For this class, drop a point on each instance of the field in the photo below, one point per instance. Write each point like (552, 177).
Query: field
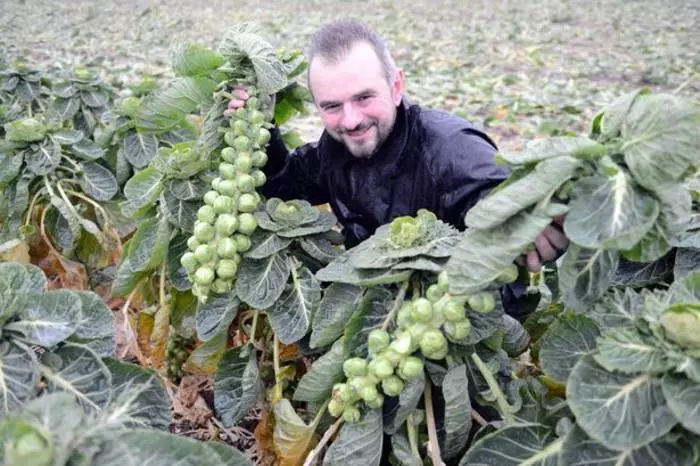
(519, 69)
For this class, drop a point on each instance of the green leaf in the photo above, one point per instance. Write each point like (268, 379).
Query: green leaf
(87, 150)
(183, 313)
(531, 444)
(244, 42)
(621, 411)
(397, 414)
(687, 260)
(181, 214)
(265, 244)
(149, 245)
(10, 165)
(609, 212)
(140, 149)
(205, 358)
(579, 449)
(369, 314)
(620, 307)
(628, 351)
(335, 309)
(538, 150)
(166, 108)
(261, 282)
(615, 114)
(292, 437)
(637, 275)
(317, 384)
(537, 185)
(683, 398)
(401, 448)
(584, 275)
(570, 338)
(94, 98)
(188, 189)
(47, 318)
(140, 396)
(194, 60)
(342, 271)
(127, 279)
(77, 370)
(67, 137)
(142, 191)
(96, 327)
(215, 316)
(325, 222)
(290, 315)
(483, 325)
(19, 278)
(319, 248)
(67, 108)
(660, 138)
(359, 443)
(43, 158)
(482, 255)
(19, 373)
(426, 264)
(98, 182)
(458, 419)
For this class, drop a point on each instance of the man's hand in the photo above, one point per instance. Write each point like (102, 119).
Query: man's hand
(549, 245)
(240, 95)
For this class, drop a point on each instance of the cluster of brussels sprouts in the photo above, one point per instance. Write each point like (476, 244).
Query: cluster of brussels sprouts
(177, 354)
(225, 221)
(424, 325)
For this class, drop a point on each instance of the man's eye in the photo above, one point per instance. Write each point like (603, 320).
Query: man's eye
(331, 108)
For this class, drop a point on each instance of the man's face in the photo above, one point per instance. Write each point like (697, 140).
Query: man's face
(356, 103)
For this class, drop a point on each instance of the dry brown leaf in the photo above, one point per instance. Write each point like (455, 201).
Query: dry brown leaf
(264, 442)
(15, 251)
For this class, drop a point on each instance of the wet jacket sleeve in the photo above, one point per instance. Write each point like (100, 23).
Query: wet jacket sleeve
(295, 175)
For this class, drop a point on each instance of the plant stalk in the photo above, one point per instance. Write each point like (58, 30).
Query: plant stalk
(397, 304)
(412, 430)
(495, 389)
(433, 444)
(254, 325)
(276, 358)
(330, 432)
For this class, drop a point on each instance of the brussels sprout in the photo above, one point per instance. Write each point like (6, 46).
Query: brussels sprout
(210, 197)
(226, 248)
(228, 154)
(31, 447)
(241, 143)
(422, 310)
(458, 330)
(259, 158)
(221, 285)
(482, 302)
(377, 402)
(244, 163)
(215, 183)
(410, 368)
(377, 340)
(240, 127)
(682, 324)
(392, 385)
(351, 414)
(402, 344)
(433, 344)
(434, 293)
(189, 262)
(380, 367)
(354, 367)
(403, 317)
(243, 242)
(226, 224)
(204, 276)
(227, 170)
(224, 204)
(259, 178)
(192, 243)
(230, 137)
(130, 106)
(25, 130)
(247, 202)
(228, 188)
(204, 253)
(206, 214)
(253, 102)
(245, 182)
(335, 408)
(368, 392)
(203, 232)
(256, 117)
(226, 268)
(247, 223)
(263, 137)
(454, 311)
(391, 355)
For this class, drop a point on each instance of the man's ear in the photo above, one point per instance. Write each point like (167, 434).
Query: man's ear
(397, 87)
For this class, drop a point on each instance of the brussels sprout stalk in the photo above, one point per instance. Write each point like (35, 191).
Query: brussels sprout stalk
(397, 304)
(503, 405)
(433, 445)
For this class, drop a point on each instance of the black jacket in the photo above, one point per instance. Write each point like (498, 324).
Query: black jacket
(432, 160)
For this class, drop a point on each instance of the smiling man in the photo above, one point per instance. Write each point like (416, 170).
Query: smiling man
(380, 155)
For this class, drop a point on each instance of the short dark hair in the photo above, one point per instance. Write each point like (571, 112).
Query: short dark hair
(334, 40)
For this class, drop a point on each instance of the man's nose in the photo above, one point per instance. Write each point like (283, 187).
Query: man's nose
(351, 116)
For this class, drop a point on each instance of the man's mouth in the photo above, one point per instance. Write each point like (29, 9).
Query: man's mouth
(359, 132)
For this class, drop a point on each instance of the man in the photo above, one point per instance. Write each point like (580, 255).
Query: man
(381, 156)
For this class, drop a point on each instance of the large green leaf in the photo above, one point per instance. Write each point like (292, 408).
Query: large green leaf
(523, 444)
(142, 191)
(140, 398)
(48, 318)
(86, 149)
(620, 307)
(96, 327)
(660, 138)
(319, 248)
(401, 449)
(205, 358)
(10, 165)
(538, 150)
(584, 275)
(369, 314)
(317, 384)
(359, 443)
(570, 338)
(16, 278)
(77, 370)
(290, 316)
(166, 108)
(335, 309)
(177, 273)
(98, 182)
(43, 158)
(244, 42)
(265, 244)
(621, 411)
(628, 351)
(214, 316)
(149, 245)
(342, 271)
(615, 114)
(194, 60)
(683, 398)
(261, 282)
(127, 279)
(687, 260)
(67, 137)
(237, 385)
(537, 185)
(66, 108)
(609, 212)
(139, 148)
(188, 189)
(458, 419)
(181, 214)
(482, 255)
(19, 376)
(325, 222)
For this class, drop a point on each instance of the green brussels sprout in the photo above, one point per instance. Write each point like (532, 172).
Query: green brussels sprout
(189, 262)
(402, 345)
(221, 285)
(259, 158)
(31, 448)
(192, 243)
(433, 344)
(203, 232)
(368, 393)
(482, 302)
(226, 268)
(458, 330)
(206, 214)
(263, 137)
(210, 196)
(226, 248)
(443, 282)
(681, 323)
(204, 253)
(377, 340)
(204, 276)
(243, 242)
(351, 414)
(404, 232)
(434, 293)
(244, 163)
(392, 385)
(228, 154)
(403, 317)
(241, 143)
(247, 223)
(335, 408)
(410, 368)
(247, 202)
(256, 117)
(454, 311)
(240, 127)
(25, 130)
(224, 204)
(354, 367)
(130, 106)
(226, 224)
(380, 367)
(422, 310)
(228, 188)
(376, 403)
(391, 355)
(259, 178)
(245, 182)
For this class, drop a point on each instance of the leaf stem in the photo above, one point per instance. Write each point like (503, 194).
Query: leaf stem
(72, 162)
(495, 389)
(95, 205)
(433, 444)
(398, 301)
(412, 430)
(28, 220)
(276, 358)
(324, 440)
(254, 325)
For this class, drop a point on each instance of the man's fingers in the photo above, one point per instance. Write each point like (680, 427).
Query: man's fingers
(234, 104)
(534, 264)
(544, 249)
(241, 93)
(556, 238)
